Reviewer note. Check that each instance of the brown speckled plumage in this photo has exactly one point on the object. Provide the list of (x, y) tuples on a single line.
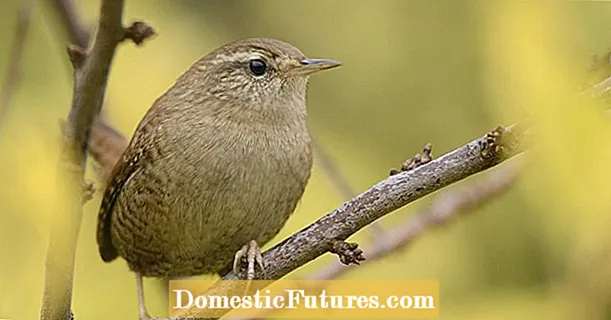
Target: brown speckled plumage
[(220, 159)]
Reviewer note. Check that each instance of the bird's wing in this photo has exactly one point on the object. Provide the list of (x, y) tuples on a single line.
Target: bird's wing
[(126, 167), (137, 153)]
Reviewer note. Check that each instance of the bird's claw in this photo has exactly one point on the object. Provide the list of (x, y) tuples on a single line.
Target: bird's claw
[(252, 253)]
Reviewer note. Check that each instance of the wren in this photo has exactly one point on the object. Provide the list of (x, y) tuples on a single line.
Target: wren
[(216, 166)]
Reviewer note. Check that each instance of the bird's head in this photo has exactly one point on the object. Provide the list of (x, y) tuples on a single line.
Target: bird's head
[(258, 72)]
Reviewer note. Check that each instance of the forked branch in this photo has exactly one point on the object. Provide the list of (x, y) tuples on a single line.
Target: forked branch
[(90, 78)]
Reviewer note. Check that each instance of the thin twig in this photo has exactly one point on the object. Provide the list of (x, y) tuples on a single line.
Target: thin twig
[(13, 74), (386, 196), (72, 22), (90, 78)]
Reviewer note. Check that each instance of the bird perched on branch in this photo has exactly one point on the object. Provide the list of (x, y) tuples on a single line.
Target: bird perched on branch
[(215, 167)]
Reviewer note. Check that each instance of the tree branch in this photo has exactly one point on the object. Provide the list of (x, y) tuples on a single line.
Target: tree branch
[(384, 197), (445, 207), (90, 79), (105, 143), (73, 24)]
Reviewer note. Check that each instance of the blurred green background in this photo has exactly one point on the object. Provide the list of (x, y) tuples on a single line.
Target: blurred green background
[(414, 72)]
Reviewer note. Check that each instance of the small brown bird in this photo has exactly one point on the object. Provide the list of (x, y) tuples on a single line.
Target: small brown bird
[(215, 167)]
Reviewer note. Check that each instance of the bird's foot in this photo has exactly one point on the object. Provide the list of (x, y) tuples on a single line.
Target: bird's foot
[(145, 316), (252, 253)]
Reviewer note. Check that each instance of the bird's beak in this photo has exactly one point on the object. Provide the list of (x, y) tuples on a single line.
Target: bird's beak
[(310, 66)]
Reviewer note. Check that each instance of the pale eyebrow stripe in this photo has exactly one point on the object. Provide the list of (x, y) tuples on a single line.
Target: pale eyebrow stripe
[(257, 52), (223, 57)]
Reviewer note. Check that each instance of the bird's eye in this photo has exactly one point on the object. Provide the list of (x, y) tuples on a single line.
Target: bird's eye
[(257, 67)]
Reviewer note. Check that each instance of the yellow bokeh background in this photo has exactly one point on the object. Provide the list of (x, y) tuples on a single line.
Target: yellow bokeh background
[(414, 72)]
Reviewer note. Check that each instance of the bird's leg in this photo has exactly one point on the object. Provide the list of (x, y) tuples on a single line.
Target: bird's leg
[(144, 315), (252, 252)]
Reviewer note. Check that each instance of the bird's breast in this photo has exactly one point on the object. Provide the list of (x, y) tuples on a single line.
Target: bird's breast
[(243, 185)]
